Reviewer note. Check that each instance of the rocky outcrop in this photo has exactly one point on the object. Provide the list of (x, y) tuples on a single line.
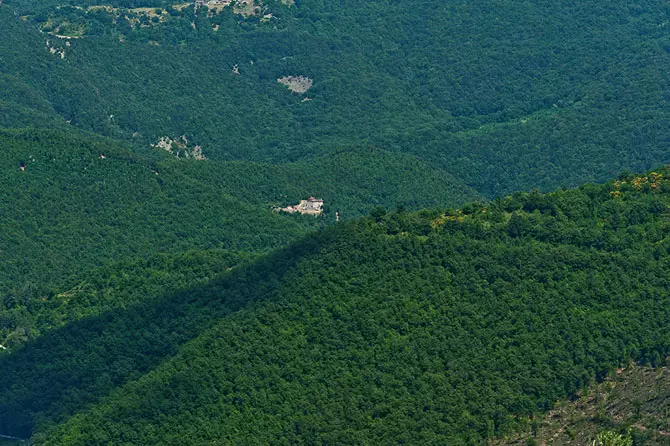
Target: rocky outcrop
[(297, 84), (180, 148)]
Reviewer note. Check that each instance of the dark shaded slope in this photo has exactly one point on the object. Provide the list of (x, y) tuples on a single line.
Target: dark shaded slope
[(423, 328), (68, 369), (117, 285)]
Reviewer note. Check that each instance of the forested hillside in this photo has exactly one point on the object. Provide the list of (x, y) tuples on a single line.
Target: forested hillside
[(73, 203), (412, 105), (151, 292), (443, 326), (81, 202), (504, 96), (70, 200)]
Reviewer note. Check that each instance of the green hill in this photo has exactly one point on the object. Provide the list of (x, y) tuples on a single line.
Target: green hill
[(82, 203), (442, 327), (71, 209), (504, 97), (152, 296)]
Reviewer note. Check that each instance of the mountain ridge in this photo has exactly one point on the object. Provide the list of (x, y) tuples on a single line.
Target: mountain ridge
[(152, 296), (542, 272)]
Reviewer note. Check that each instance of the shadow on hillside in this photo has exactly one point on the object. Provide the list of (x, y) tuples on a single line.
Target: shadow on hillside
[(69, 369)]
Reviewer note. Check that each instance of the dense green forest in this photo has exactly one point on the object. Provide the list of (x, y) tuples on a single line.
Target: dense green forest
[(504, 96), (82, 203), (151, 293), (437, 327)]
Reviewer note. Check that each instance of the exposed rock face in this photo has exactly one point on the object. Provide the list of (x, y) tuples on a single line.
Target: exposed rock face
[(180, 148), (311, 206), (297, 84)]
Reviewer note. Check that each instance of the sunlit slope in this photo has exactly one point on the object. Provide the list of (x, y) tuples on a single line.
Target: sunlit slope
[(445, 327)]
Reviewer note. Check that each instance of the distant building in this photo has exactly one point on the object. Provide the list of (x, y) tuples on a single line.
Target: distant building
[(311, 206)]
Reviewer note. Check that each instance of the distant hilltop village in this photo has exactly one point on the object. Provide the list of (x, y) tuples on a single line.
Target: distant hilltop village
[(311, 206), (211, 2), (220, 3)]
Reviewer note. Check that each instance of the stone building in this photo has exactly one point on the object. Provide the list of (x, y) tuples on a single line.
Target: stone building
[(311, 206)]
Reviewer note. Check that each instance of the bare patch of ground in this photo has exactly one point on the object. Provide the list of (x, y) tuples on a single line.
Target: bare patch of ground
[(248, 7), (297, 84), (243, 7)]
